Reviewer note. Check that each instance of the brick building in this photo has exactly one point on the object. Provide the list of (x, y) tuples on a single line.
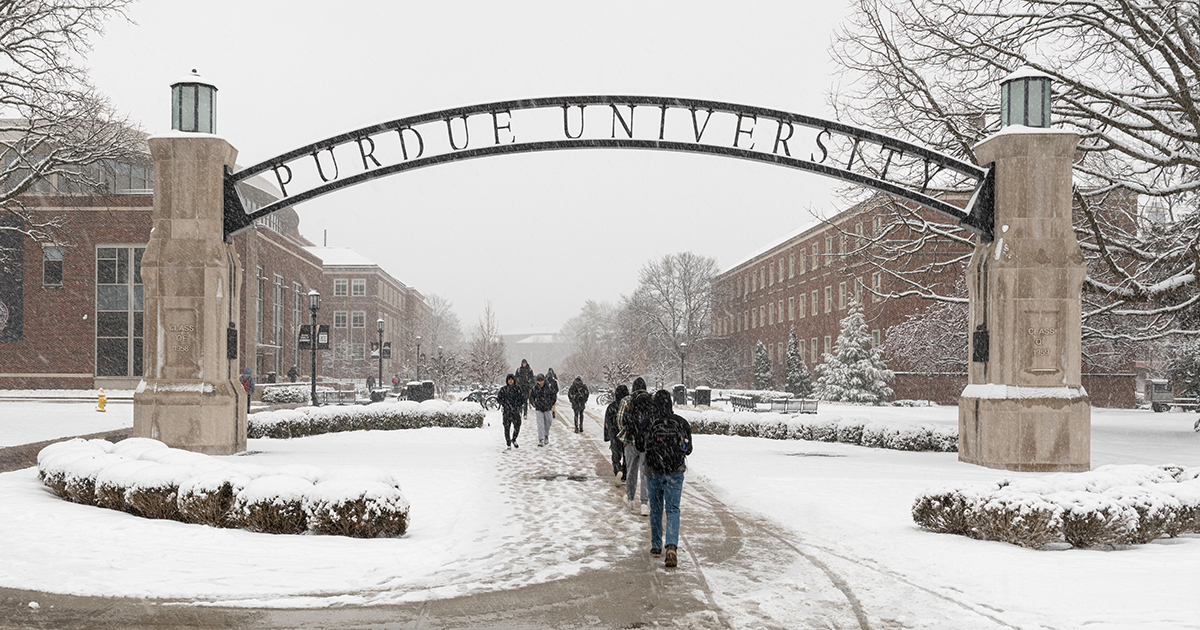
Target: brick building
[(808, 278), (71, 314)]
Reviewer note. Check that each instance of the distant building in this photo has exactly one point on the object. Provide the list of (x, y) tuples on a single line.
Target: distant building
[(806, 281)]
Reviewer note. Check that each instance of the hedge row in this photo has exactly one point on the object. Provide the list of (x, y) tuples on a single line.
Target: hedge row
[(287, 395), (857, 431), (146, 478), (387, 416), (1108, 507)]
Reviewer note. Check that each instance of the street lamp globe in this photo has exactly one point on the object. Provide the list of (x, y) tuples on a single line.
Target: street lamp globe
[(314, 300)]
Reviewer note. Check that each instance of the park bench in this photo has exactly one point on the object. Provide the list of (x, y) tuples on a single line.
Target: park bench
[(792, 405)]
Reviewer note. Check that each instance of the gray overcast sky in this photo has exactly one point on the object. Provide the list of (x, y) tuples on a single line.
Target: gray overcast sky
[(536, 234)]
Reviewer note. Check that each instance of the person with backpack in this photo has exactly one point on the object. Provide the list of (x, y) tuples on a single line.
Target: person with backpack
[(248, 385), (632, 416), (525, 383), (542, 397), (666, 442), (512, 401), (615, 445), (552, 381), (578, 395)]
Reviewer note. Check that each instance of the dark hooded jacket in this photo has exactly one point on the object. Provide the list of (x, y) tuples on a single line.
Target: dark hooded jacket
[(578, 394), (510, 397), (543, 396), (625, 430), (663, 411), (552, 380), (524, 377), (610, 414)]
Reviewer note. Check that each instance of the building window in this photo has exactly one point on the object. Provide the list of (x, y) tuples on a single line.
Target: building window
[(52, 267), (340, 350), (791, 265), (841, 296), (779, 352), (358, 288), (800, 346), (816, 256), (280, 303), (771, 353), (771, 274), (762, 315), (815, 356), (815, 301), (258, 310), (762, 277), (878, 225), (753, 282), (803, 254), (771, 313), (876, 285), (781, 269), (828, 345), (339, 287), (357, 351), (339, 319), (842, 246), (297, 313), (119, 310), (828, 299), (791, 309), (753, 318), (802, 305), (358, 319), (858, 287), (875, 338), (828, 248)]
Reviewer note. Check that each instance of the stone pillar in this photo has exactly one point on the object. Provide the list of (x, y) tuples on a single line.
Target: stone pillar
[(190, 397), (1024, 407)]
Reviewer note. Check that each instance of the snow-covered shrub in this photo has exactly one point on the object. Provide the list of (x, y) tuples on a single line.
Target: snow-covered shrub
[(875, 434), (53, 469), (80, 477), (152, 490), (207, 498), (824, 430), (1157, 512), (913, 403), (745, 427), (357, 508), (286, 395), (1188, 494), (1174, 470), (134, 448), (850, 430), (944, 510), (720, 424), (1091, 519), (1189, 474), (304, 421), (774, 428), (112, 482), (943, 439), (1019, 518), (908, 437), (273, 504)]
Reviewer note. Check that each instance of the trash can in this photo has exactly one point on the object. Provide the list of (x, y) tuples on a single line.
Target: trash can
[(415, 391), (428, 389), (702, 396), (679, 393)]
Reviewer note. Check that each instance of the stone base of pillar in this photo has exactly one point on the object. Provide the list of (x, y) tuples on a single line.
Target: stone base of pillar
[(194, 415), (1047, 433)]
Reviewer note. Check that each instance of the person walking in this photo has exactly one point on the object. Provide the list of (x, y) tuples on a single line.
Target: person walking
[(578, 395), (552, 381), (542, 398), (293, 374), (248, 385), (666, 443), (615, 446), (634, 413), (512, 401), (370, 384), (525, 384)]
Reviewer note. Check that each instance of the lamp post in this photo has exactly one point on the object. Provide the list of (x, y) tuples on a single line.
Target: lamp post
[(418, 357), (314, 304), (379, 327), (441, 369), (682, 354)]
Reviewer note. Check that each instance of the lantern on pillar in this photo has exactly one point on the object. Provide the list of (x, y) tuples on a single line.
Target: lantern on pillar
[(194, 105), (1025, 99)]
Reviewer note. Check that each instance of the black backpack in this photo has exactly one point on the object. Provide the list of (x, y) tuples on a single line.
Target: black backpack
[(666, 444), (638, 415)]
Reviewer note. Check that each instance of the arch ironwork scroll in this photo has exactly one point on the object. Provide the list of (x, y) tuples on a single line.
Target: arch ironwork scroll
[(824, 147)]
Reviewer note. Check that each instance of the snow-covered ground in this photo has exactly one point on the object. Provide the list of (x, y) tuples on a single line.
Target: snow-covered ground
[(486, 519), (25, 421)]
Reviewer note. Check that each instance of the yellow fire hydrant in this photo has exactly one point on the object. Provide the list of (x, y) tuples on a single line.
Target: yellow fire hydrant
[(101, 401)]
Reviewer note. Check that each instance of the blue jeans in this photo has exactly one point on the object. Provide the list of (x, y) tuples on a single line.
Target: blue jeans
[(664, 489)]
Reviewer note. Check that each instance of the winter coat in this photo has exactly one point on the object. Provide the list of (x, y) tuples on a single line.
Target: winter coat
[(524, 378), (510, 397), (248, 381), (552, 380), (662, 411), (578, 394), (610, 414), (293, 374), (543, 397)]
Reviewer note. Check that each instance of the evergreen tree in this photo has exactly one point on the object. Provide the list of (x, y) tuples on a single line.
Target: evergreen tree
[(797, 381), (855, 372), (762, 368)]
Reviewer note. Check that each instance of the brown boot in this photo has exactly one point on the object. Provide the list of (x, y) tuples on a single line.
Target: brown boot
[(672, 558)]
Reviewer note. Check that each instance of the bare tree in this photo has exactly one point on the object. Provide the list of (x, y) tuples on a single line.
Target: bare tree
[(442, 327), (930, 342), (1124, 78), (486, 358), (57, 131)]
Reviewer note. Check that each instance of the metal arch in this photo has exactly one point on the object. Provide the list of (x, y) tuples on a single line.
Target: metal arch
[(976, 217)]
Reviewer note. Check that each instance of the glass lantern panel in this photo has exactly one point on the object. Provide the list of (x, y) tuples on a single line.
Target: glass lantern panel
[(1035, 88), (1046, 104), (1016, 103), (188, 108), (1005, 117), (204, 114)]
